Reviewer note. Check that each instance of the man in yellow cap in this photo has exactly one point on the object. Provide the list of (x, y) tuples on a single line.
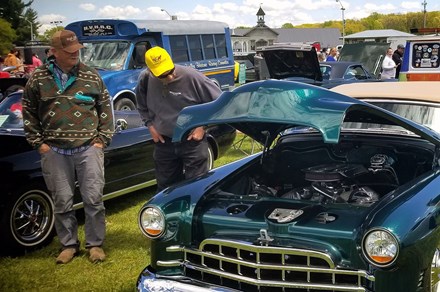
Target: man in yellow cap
[(163, 90), (68, 118)]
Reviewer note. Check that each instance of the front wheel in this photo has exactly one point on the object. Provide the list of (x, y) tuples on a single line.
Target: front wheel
[(28, 220), (125, 104), (210, 157)]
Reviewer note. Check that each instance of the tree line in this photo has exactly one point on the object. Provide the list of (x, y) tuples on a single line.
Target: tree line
[(401, 22)]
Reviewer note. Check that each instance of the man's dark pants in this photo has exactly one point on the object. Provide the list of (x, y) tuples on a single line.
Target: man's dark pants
[(177, 161)]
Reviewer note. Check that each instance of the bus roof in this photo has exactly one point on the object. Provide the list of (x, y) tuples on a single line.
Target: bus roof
[(182, 26), (167, 27)]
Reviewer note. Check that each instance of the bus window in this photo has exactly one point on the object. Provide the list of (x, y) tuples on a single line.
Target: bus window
[(220, 44), (179, 49), (208, 44), (195, 47), (138, 56)]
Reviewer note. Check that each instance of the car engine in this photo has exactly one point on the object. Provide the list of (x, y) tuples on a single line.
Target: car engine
[(337, 183)]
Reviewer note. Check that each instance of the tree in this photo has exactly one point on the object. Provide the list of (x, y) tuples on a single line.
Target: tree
[(49, 33), (287, 25), (7, 36), (18, 14)]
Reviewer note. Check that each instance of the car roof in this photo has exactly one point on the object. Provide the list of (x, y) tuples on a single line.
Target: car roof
[(416, 90)]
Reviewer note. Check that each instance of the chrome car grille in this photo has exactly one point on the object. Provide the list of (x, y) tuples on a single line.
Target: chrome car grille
[(246, 267)]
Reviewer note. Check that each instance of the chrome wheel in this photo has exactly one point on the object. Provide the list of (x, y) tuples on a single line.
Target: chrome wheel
[(31, 219), (210, 158)]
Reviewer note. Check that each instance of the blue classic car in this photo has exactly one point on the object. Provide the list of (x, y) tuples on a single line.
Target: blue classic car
[(26, 208), (344, 197)]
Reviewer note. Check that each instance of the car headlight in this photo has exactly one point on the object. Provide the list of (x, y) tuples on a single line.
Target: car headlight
[(152, 222), (380, 247)]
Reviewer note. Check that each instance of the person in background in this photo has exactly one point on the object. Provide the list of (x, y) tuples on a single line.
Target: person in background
[(398, 58), (388, 66), (163, 90), (21, 66), (12, 60), (68, 118), (36, 62), (48, 57), (321, 57), (332, 56)]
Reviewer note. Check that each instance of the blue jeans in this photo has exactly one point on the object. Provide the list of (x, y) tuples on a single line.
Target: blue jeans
[(59, 174)]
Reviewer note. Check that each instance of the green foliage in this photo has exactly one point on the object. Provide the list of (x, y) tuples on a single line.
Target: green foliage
[(20, 16), (48, 33), (401, 22), (7, 36)]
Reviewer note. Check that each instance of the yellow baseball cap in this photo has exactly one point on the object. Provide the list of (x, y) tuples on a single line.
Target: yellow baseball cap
[(158, 61)]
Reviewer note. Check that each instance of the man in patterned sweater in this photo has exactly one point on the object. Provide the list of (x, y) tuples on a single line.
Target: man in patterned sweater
[(68, 118)]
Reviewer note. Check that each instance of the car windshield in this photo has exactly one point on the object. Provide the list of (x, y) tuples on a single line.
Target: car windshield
[(11, 112), (425, 114), (105, 55)]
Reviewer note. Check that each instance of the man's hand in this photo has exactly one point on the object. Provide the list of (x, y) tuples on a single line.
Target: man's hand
[(197, 134), (155, 135), (44, 148), (98, 145)]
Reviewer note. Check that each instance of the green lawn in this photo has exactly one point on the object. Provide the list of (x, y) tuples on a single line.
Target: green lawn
[(127, 250)]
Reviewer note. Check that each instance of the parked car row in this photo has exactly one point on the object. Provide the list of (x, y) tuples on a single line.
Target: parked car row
[(299, 62), (26, 207), (344, 196)]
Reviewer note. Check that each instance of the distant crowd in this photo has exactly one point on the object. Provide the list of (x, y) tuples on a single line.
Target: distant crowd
[(328, 55), (16, 63), (390, 65)]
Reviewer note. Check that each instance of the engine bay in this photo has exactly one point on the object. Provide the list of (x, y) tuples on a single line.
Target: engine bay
[(358, 173)]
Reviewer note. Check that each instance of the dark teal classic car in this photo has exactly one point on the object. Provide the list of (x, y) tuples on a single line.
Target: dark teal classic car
[(345, 196)]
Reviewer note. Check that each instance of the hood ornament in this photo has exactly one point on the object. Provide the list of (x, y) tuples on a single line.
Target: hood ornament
[(264, 238)]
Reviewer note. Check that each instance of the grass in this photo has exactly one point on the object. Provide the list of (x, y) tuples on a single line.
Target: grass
[(127, 249)]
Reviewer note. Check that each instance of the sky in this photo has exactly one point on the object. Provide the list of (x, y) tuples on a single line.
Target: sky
[(234, 12)]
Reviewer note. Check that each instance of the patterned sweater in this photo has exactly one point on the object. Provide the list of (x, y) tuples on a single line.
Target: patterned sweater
[(79, 115)]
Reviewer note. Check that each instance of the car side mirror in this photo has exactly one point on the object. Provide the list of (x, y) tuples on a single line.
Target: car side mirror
[(121, 124)]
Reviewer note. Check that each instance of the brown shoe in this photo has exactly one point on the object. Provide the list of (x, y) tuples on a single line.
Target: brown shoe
[(66, 255), (97, 254)]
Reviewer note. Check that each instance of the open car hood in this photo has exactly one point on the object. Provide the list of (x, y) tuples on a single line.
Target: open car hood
[(263, 109), (291, 61)]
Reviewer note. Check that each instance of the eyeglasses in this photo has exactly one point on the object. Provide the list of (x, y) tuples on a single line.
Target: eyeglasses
[(163, 76)]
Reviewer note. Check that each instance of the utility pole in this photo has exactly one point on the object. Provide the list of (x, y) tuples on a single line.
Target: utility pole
[(343, 22), (32, 31), (172, 17), (424, 13)]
